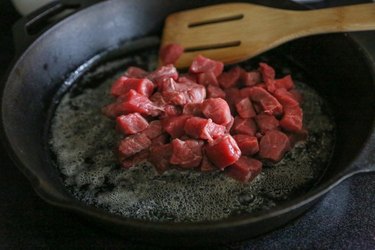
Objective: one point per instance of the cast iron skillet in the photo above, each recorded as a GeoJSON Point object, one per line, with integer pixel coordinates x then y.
{"type": "Point", "coordinates": [346, 78]}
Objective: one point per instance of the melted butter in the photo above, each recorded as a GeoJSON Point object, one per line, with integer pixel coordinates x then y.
{"type": "Point", "coordinates": [83, 141]}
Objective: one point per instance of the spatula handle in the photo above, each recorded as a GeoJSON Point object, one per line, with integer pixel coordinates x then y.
{"type": "Point", "coordinates": [339, 19]}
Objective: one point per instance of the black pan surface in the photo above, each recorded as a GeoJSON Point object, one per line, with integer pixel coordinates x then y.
{"type": "Point", "coordinates": [350, 94]}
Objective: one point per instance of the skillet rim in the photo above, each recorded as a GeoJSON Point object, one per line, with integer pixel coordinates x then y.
{"type": "Point", "coordinates": [69, 203]}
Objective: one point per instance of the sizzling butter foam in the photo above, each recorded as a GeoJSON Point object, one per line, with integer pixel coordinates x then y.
{"type": "Point", "coordinates": [83, 141]}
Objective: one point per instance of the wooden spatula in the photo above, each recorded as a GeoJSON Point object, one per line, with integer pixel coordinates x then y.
{"type": "Point", "coordinates": [234, 32]}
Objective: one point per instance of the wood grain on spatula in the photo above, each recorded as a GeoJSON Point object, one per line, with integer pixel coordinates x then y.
{"type": "Point", "coordinates": [235, 32]}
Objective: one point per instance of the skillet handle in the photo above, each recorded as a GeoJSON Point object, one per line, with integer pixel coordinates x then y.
{"type": "Point", "coordinates": [365, 162]}
{"type": "Point", "coordinates": [30, 27]}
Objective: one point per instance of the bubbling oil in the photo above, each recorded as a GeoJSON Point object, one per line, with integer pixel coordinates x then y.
{"type": "Point", "coordinates": [82, 140]}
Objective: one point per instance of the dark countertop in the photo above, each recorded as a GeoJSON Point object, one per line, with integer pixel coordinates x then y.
{"type": "Point", "coordinates": [344, 219]}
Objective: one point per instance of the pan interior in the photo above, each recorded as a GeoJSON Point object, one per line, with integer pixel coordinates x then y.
{"type": "Point", "coordinates": [82, 142]}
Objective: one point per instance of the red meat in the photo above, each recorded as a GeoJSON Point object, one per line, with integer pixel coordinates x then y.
{"type": "Point", "coordinates": [160, 140]}
{"type": "Point", "coordinates": [170, 53]}
{"type": "Point", "coordinates": [214, 92]}
{"type": "Point", "coordinates": [207, 78]}
{"type": "Point", "coordinates": [164, 72]}
{"type": "Point", "coordinates": [192, 109]}
{"type": "Point", "coordinates": [223, 151]}
{"type": "Point", "coordinates": [153, 130]}
{"type": "Point", "coordinates": [229, 126]}
{"type": "Point", "coordinates": [273, 145]}
{"type": "Point", "coordinates": [286, 82]}
{"type": "Point", "coordinates": [135, 72]}
{"type": "Point", "coordinates": [187, 77]}
{"type": "Point", "coordinates": [215, 130]}
{"type": "Point", "coordinates": [285, 97]}
{"type": "Point", "coordinates": [131, 102]}
{"type": "Point", "coordinates": [124, 84]}
{"type": "Point", "coordinates": [171, 110]}
{"type": "Point", "coordinates": [245, 169]}
{"type": "Point", "coordinates": [133, 144]}
{"type": "Point", "coordinates": [266, 122]}
{"type": "Point", "coordinates": [292, 118]}
{"type": "Point", "coordinates": [183, 93]}
{"type": "Point", "coordinates": [229, 79]}
{"type": "Point", "coordinates": [167, 84]}
{"type": "Point", "coordinates": [247, 144]}
{"type": "Point", "coordinates": [188, 85]}
{"type": "Point", "coordinates": [267, 72]}
{"type": "Point", "coordinates": [232, 95]}
{"type": "Point", "coordinates": [131, 123]}
{"type": "Point", "coordinates": [245, 108]}
{"type": "Point", "coordinates": [268, 76]}
{"type": "Point", "coordinates": [257, 108]}
{"type": "Point", "coordinates": [202, 64]}
{"type": "Point", "coordinates": [170, 85]}
{"type": "Point", "coordinates": [269, 104]}
{"type": "Point", "coordinates": [160, 156]}
{"type": "Point", "coordinates": [195, 95]}
{"type": "Point", "coordinates": [158, 100]}
{"type": "Point", "coordinates": [175, 125]}
{"type": "Point", "coordinates": [175, 97]}
{"type": "Point", "coordinates": [201, 128]}
{"type": "Point", "coordinates": [250, 78]}
{"type": "Point", "coordinates": [179, 111]}
{"type": "Point", "coordinates": [245, 92]}
{"type": "Point", "coordinates": [244, 126]}
{"type": "Point", "coordinates": [196, 128]}
{"type": "Point", "coordinates": [186, 154]}
{"type": "Point", "coordinates": [217, 109]}
{"type": "Point", "coordinates": [206, 165]}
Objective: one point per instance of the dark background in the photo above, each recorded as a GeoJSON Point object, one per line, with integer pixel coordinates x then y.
{"type": "Point", "coordinates": [344, 219]}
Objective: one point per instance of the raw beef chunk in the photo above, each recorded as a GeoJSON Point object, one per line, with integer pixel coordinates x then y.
{"type": "Point", "coordinates": [273, 145]}
{"type": "Point", "coordinates": [223, 152]}
{"type": "Point", "coordinates": [245, 169]}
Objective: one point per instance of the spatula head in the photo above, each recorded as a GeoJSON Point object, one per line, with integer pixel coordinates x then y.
{"type": "Point", "coordinates": [227, 32]}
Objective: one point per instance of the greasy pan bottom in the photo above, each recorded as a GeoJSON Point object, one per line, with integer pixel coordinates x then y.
{"type": "Point", "coordinates": [83, 141]}
{"type": "Point", "coordinates": [342, 73]}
